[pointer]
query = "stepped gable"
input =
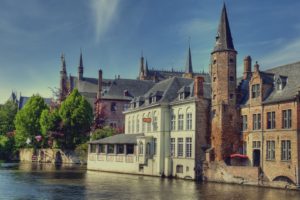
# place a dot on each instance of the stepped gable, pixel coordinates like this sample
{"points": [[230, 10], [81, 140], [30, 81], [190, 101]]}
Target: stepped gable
{"points": [[289, 74]]}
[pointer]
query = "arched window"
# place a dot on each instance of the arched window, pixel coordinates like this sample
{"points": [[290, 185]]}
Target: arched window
{"points": [[129, 125], [132, 127], [189, 119], [149, 123], [148, 149], [143, 123], [278, 84], [180, 120], [141, 148], [154, 123], [137, 124]]}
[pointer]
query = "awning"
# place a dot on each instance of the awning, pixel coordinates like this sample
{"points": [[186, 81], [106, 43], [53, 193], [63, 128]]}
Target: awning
{"points": [[237, 155]]}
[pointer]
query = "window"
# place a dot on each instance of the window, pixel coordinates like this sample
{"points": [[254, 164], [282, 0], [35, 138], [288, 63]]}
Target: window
{"points": [[120, 149], [129, 148], [154, 123], [143, 123], [215, 61], [231, 78], [173, 122], [278, 84], [255, 90], [285, 150], [245, 148], [270, 150], [287, 118], [180, 147], [181, 96], [154, 146], [231, 96], [102, 148], [141, 148], [256, 144], [270, 120], [188, 147], [137, 124], [113, 106], [148, 149], [256, 121], [179, 169], [244, 122], [149, 124], [93, 148], [231, 60], [214, 79], [110, 148], [189, 121], [172, 147], [113, 124], [132, 128], [180, 122], [129, 125]]}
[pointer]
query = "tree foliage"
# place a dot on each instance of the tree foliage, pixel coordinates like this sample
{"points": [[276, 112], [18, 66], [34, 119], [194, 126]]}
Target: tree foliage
{"points": [[77, 116], [27, 121], [7, 115], [6, 147], [104, 132]]}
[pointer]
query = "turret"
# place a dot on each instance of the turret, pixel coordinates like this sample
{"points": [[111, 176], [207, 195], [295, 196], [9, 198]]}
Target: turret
{"points": [[80, 67]]}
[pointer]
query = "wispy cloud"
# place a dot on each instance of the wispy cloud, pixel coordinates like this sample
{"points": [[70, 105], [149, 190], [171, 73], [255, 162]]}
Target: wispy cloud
{"points": [[285, 54], [104, 12], [196, 27]]}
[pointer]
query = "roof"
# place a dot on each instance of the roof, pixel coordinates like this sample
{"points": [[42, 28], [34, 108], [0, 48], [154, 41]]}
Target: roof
{"points": [[224, 38], [118, 139], [289, 75], [23, 100]]}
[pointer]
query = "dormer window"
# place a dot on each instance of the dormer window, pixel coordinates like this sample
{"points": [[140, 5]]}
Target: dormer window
{"points": [[181, 96], [279, 84], [255, 91], [153, 99]]}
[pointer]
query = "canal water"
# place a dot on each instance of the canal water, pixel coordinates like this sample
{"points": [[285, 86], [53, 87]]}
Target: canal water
{"points": [[45, 181]]}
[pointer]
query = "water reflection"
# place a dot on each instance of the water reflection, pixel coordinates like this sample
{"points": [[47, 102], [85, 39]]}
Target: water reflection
{"points": [[46, 181]]}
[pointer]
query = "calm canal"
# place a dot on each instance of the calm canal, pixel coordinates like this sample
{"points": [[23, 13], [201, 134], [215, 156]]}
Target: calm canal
{"points": [[41, 181]]}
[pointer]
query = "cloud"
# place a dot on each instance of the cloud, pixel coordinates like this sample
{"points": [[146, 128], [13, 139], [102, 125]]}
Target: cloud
{"points": [[104, 13], [285, 54]]}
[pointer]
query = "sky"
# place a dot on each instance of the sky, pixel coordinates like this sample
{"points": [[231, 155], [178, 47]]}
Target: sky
{"points": [[113, 33]]}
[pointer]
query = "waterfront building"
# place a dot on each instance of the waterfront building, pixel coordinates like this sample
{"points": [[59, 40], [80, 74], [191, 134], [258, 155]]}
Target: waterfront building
{"points": [[251, 122], [165, 131]]}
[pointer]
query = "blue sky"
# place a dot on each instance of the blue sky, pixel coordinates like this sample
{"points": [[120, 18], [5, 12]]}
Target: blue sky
{"points": [[112, 34]]}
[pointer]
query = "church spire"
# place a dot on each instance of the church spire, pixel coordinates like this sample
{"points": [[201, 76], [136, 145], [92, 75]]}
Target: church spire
{"points": [[63, 63], [80, 67], [188, 65], [224, 38]]}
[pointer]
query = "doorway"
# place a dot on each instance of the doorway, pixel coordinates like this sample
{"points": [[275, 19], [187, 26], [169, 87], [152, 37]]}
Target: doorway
{"points": [[256, 158]]}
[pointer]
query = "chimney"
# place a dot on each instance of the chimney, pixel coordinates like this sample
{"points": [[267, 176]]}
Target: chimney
{"points": [[198, 86], [247, 67], [256, 67], [99, 84], [126, 93]]}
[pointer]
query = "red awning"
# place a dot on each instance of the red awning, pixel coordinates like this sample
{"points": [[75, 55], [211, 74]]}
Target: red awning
{"points": [[237, 155]]}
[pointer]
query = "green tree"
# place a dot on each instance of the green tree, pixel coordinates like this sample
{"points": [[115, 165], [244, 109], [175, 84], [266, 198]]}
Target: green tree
{"points": [[6, 147], [7, 115], [104, 132], [77, 117], [27, 121]]}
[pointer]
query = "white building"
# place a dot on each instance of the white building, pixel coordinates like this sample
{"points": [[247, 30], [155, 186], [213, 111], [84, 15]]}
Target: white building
{"points": [[165, 131]]}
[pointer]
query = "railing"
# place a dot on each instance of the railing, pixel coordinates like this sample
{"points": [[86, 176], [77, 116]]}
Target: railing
{"points": [[130, 158]]}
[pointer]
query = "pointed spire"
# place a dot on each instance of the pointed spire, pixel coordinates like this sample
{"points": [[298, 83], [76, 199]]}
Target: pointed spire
{"points": [[188, 65], [142, 65], [80, 67], [224, 38], [63, 62]]}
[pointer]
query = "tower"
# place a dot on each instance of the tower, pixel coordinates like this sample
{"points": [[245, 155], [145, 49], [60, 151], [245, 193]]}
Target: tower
{"points": [[142, 69], [225, 120], [80, 67], [63, 80], [188, 73]]}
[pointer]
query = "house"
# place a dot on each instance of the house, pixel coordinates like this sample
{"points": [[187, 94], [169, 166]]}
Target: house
{"points": [[164, 131]]}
